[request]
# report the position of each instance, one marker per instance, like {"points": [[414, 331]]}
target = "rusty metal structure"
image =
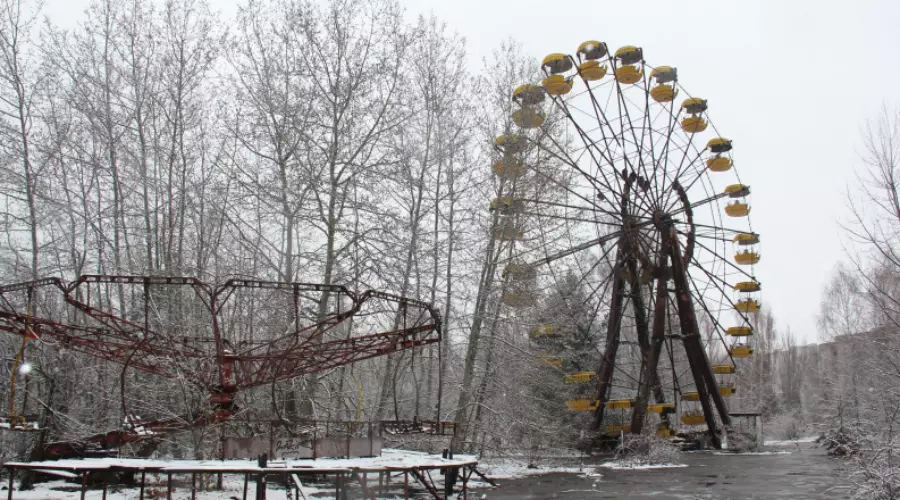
{"points": [[221, 339]]}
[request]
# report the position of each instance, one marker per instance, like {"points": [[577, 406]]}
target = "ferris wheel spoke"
{"points": [[664, 154], [724, 259], [718, 326], [600, 296], [672, 210], [589, 144], [584, 246], [621, 141], [594, 206], [724, 294], [645, 121], [686, 148], [700, 175], [714, 237], [601, 117], [723, 229], [568, 160], [570, 218], [657, 189], [594, 211], [598, 292]]}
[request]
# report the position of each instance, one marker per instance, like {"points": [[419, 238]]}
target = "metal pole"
{"points": [[262, 462], [12, 478], [650, 361], [143, 478], [83, 484], [607, 363], [168, 486], [193, 486]]}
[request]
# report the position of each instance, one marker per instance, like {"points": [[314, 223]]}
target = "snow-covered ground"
{"points": [[630, 465], [790, 442], [512, 468], [232, 488], [780, 452], [389, 459]]}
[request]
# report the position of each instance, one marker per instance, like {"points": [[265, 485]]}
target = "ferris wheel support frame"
{"points": [[650, 359], [704, 379], [607, 362]]}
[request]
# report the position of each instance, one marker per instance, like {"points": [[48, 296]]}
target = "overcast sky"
{"points": [[791, 82]]}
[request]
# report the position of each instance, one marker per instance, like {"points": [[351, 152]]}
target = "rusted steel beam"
{"points": [[703, 376], [650, 358], [613, 332]]}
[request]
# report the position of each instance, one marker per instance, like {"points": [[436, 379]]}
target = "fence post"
{"points": [[262, 462]]}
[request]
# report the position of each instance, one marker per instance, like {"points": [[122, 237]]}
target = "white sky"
{"points": [[791, 82]]}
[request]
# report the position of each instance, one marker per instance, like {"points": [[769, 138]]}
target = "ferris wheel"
{"points": [[613, 179]]}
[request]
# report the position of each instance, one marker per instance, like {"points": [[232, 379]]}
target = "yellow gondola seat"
{"points": [[629, 54], [557, 85], [747, 306], [727, 389], [694, 105], [690, 396], [747, 286], [719, 163], [551, 360], [579, 377], [592, 70], [529, 117], [663, 93], [739, 331], [507, 205], [661, 408], [582, 404], [511, 143], [737, 209], [529, 94], [723, 369], [736, 190], [592, 49], [741, 351], [719, 145], [746, 258], [519, 272], [557, 63], [616, 429], [509, 232], [619, 404], [518, 299], [745, 239], [693, 124], [664, 74], [509, 167], [628, 74], [693, 418], [543, 330]]}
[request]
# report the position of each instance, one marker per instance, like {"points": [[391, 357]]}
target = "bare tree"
{"points": [[19, 78]]}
